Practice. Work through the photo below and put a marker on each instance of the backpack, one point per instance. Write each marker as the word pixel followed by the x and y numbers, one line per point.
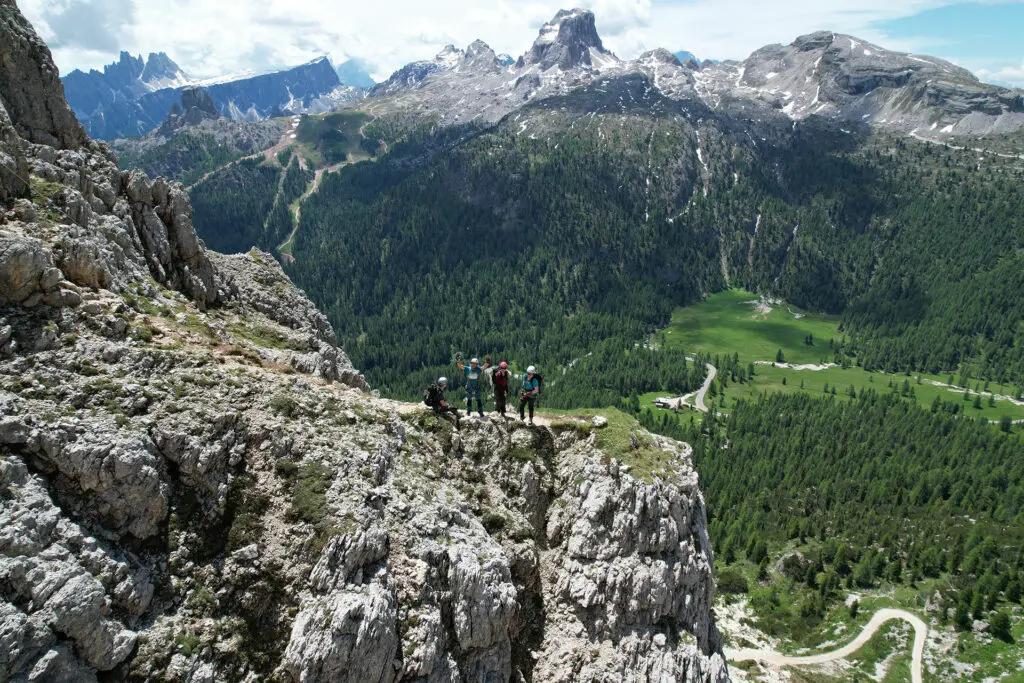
pixel 540 380
pixel 432 395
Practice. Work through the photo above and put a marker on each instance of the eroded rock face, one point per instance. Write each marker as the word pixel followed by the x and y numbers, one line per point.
pixel 297 527
pixel 30 85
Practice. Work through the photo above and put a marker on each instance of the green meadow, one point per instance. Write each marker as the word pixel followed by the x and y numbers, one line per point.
pixel 737 322
pixel 731 322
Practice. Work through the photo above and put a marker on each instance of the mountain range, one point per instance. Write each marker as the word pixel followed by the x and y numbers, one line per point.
pixel 133 96
pixel 807 172
pixel 826 74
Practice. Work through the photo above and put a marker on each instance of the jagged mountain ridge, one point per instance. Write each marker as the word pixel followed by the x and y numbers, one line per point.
pixel 834 76
pixel 196 485
pixel 837 77
pixel 313 86
pixel 125 80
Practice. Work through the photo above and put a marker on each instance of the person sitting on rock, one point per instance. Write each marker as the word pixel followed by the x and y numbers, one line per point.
pixel 435 399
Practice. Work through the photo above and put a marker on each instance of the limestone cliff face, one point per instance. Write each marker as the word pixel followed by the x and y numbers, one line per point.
pixel 196 484
pixel 30 85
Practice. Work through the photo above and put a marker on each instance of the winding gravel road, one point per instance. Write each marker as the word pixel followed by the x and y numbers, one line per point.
pixel 675 403
pixel 880 617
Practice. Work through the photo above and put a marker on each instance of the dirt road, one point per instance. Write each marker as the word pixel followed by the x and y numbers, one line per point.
pixel 880 617
pixel 698 403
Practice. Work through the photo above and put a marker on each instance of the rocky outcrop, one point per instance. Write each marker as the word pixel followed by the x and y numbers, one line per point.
pixel 195 107
pixel 92 226
pixel 196 485
pixel 792 565
pixel 30 86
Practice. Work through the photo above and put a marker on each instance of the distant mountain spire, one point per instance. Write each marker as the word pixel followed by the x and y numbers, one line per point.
pixel 567 41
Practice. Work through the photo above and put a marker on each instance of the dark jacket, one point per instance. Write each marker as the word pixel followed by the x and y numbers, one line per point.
pixel 501 382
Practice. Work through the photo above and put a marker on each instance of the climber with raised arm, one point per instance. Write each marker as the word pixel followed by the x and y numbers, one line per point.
pixel 474 373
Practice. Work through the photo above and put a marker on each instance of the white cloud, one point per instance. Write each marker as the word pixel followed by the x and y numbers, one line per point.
pixel 212 38
pixel 1007 74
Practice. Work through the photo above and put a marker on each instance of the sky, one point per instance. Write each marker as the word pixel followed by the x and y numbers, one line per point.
pixel 212 38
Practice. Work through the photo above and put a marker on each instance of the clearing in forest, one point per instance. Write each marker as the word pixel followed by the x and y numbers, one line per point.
pixel 736 321
pixel 741 323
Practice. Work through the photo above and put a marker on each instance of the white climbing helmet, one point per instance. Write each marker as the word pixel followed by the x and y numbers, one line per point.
pixel 474 361
pixel 441 381
pixel 531 370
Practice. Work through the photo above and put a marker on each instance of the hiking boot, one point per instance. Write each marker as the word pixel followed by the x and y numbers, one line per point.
pixel 531 421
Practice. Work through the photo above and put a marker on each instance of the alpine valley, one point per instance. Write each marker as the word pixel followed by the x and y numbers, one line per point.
pixel 811 259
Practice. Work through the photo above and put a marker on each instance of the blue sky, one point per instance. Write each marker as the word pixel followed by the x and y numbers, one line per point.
pixel 233 36
pixel 983 37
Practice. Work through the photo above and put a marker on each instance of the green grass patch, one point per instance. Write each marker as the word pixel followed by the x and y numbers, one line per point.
pixel 729 322
pixel 881 649
pixel 265 336
pixel 42 192
pixel 629 443
pixel 309 484
pixel 245 507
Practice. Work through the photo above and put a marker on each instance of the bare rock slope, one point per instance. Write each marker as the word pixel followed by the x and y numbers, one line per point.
pixel 196 485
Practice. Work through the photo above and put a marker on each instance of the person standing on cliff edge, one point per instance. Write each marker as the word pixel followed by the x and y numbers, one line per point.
pixel 473 375
pixel 530 392
pixel 500 380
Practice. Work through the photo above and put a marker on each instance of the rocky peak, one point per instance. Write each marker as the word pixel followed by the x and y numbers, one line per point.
pixel 814 41
pixel 449 57
pixel 125 70
pixel 660 56
pixel 480 56
pixel 195 106
pixel 843 77
pixel 567 41
pixel 161 70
